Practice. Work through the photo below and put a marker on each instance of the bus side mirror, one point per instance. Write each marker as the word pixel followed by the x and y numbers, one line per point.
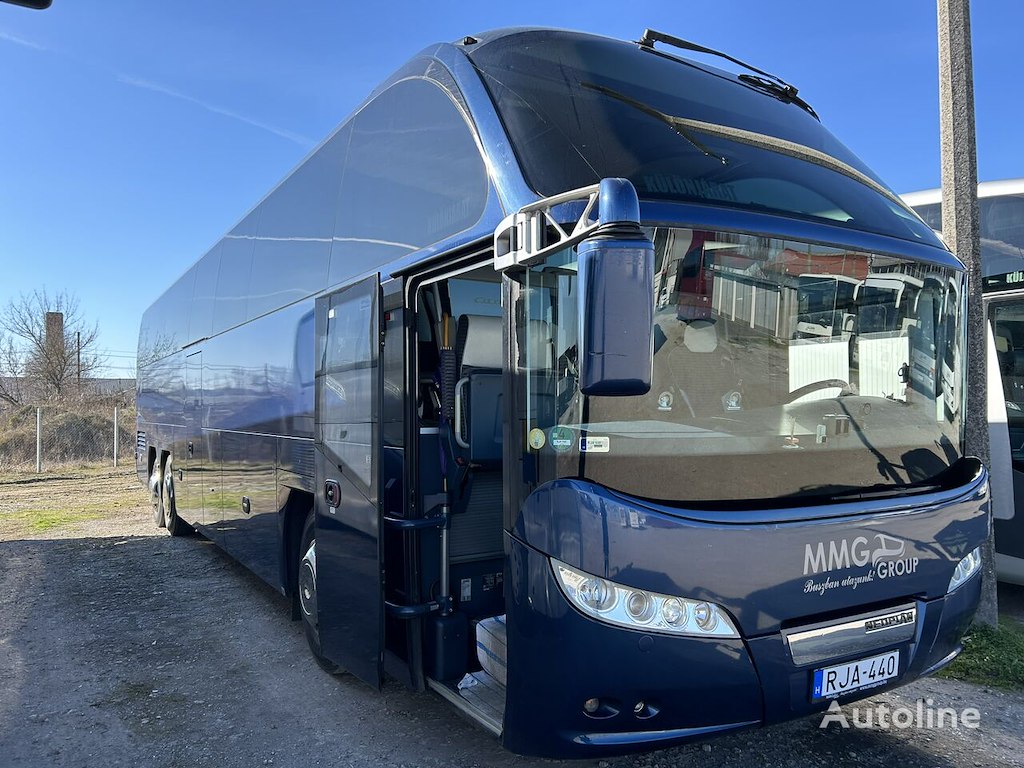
pixel 616 280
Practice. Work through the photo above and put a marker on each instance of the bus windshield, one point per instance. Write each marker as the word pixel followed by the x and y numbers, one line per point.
pixel 579 109
pixel 747 402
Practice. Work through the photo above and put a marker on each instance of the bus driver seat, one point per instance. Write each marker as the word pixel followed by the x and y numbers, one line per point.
pixel 700 336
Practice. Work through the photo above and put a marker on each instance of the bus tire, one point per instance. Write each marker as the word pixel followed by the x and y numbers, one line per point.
pixel 174 524
pixel 307 596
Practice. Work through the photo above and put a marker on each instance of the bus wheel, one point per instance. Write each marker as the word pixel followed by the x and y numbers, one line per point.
pixel 174 524
pixel 307 596
pixel 156 497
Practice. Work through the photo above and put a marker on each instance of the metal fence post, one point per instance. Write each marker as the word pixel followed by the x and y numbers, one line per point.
pixel 39 439
pixel 115 437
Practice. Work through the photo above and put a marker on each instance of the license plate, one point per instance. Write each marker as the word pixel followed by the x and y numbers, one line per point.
pixel 831 682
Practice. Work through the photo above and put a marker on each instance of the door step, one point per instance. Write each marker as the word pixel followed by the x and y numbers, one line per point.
pixel 485 690
pixel 486 695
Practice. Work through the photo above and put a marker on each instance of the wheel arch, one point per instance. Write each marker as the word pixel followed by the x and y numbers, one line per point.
pixel 296 507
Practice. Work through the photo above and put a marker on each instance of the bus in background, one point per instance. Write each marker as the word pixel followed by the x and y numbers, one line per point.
pixel 1001 208
pixel 825 305
pixel 502 386
pixel 838 303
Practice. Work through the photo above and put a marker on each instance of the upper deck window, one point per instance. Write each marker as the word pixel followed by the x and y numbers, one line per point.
pixel 413 176
pixel 581 108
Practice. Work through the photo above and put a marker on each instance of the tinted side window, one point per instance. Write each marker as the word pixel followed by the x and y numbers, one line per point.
pixel 413 176
pixel 293 250
pixel 165 324
pixel 200 323
pixel 233 278
pixel 1002 237
pixel 1002 219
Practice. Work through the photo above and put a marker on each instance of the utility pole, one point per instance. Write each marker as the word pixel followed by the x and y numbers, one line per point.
pixel 962 233
pixel 78 343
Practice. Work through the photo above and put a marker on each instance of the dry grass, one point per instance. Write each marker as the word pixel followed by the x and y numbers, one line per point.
pixel 31 504
pixel 72 434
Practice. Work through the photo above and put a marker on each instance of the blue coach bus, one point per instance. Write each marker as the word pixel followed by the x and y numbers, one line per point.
pixel 1001 210
pixel 438 389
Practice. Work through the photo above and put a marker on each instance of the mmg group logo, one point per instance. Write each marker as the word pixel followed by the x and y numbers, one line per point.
pixel 884 553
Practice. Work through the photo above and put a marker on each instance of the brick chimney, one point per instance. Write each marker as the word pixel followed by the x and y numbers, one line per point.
pixel 55 332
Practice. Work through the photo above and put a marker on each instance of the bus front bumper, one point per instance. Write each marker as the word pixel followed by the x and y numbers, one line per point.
pixel 657 690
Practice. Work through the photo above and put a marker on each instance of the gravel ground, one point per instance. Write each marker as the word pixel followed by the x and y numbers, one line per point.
pixel 120 646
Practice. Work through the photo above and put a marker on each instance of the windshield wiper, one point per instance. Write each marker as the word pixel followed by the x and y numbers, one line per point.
pixel 649 110
pixel 882 490
pixel 684 126
pixel 773 84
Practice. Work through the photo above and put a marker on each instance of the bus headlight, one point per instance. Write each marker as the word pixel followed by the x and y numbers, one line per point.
pixel 624 606
pixel 966 568
pixel 640 606
pixel 596 594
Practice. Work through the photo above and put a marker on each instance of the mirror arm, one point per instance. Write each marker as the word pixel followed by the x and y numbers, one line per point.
pixel 521 236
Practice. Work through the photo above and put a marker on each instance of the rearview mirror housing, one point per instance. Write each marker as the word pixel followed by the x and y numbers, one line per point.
pixel 616 280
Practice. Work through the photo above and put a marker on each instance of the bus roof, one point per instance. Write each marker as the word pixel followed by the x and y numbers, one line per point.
pixel 985 189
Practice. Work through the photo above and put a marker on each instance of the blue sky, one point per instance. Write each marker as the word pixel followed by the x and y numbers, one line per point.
pixel 130 140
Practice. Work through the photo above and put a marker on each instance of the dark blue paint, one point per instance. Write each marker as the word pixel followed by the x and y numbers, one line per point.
pixel 559 658
pixel 349 547
pixel 754 569
pixel 349 579
pixel 616 280
pixel 248 469
pixel 756 222
pixel 617 202
pixel 616 335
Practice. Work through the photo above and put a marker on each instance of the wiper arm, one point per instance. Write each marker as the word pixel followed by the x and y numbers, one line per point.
pixel 785 92
pixel 684 126
pixel 666 119
pixel 768 82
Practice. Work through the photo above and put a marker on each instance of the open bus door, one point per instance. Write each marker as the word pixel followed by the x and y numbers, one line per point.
pixel 349 570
